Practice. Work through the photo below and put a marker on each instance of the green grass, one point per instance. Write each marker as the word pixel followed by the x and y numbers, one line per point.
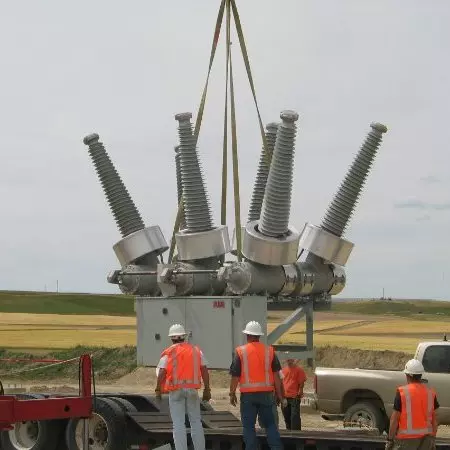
pixel 123 305
pixel 109 364
pixel 402 308
pixel 53 303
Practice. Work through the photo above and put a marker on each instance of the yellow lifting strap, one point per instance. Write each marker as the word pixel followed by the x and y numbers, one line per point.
pixel 199 118
pixel 223 209
pixel 234 148
pixel 226 4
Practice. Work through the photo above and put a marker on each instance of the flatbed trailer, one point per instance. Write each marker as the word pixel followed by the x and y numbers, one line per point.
pixel 140 422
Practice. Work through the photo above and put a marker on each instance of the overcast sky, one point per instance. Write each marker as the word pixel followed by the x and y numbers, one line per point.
pixel 123 69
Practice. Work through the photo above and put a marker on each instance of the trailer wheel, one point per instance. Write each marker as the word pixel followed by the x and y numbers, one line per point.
pixel 32 435
pixel 365 414
pixel 106 428
pixel 124 405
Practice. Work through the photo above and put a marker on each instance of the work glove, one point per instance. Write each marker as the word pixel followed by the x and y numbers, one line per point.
pixel 158 394
pixel 206 395
pixel 389 445
pixel 284 403
pixel 233 399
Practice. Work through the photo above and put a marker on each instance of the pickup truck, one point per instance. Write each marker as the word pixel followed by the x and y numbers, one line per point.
pixel 366 397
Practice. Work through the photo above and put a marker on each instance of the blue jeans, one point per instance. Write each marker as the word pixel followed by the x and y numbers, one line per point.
pixel 275 415
pixel 252 405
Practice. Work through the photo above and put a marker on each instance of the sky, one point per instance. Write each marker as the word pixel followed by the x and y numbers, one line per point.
pixel 124 69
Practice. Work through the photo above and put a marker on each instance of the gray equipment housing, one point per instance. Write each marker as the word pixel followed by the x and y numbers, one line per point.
pixel 214 323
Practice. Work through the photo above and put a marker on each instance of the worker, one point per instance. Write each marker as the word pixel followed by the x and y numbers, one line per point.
pixel 180 368
pixel 413 423
pixel 294 378
pixel 255 369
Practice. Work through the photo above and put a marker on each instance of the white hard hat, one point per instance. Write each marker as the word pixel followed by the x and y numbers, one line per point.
pixel 177 330
pixel 253 328
pixel 414 367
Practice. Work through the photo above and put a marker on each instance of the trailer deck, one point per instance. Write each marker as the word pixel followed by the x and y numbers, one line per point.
pixel 223 431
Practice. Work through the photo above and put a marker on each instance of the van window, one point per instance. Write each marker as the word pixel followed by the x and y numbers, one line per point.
pixel 436 359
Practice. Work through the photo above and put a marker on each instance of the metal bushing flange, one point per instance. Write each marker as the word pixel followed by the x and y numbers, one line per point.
pixel 179 284
pixel 291 274
pixel 139 244
pixel 204 244
pixel 270 251
pixel 138 284
pixel 237 277
pixel 339 280
pixel 306 279
pixel 325 245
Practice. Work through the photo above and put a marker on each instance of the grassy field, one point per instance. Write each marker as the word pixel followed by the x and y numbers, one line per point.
pixel 403 308
pixel 364 334
pixel 109 321
pixel 35 332
pixel 105 362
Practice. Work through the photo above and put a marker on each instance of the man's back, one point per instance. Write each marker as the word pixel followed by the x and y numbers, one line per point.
pixel 293 378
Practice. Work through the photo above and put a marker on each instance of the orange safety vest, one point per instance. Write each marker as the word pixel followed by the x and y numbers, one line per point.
pixel 256 367
pixel 416 417
pixel 183 367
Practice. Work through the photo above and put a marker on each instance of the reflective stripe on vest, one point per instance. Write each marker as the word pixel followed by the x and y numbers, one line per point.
pixel 173 381
pixel 246 383
pixel 410 431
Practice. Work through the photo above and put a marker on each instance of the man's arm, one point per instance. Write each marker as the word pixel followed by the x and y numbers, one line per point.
pixel 204 371
pixel 235 372
pixel 395 417
pixel 276 367
pixel 278 386
pixel 434 420
pixel 205 376
pixel 160 379
pixel 301 382
pixel 234 384
pixel 393 425
pixel 280 373
pixel 162 364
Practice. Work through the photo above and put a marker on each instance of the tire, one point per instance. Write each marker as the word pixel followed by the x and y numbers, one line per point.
pixel 32 435
pixel 107 427
pixel 365 413
pixel 124 405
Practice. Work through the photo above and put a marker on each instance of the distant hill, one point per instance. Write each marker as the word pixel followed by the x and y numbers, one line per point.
pixel 402 308
pixel 123 305
pixel 53 303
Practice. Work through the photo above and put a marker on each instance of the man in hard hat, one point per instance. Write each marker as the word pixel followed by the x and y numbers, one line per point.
pixel 294 379
pixel 255 369
pixel 181 368
pixel 413 424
